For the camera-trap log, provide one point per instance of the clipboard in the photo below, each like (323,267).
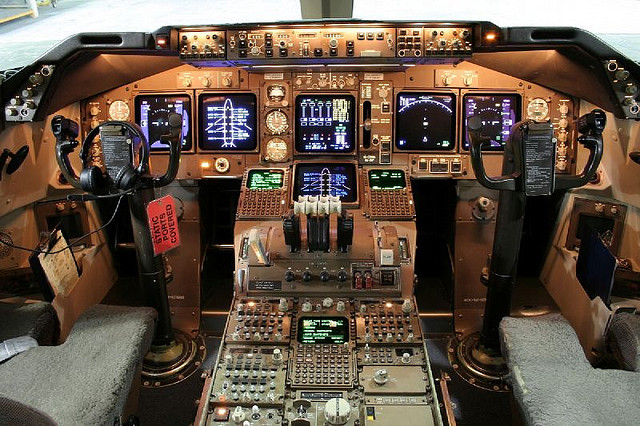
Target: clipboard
(57,273)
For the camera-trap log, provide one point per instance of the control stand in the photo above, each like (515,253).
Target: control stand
(528,170)
(115,161)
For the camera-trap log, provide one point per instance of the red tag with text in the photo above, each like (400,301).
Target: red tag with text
(163,224)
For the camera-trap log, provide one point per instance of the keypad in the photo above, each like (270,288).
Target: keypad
(390,203)
(322,365)
(260,202)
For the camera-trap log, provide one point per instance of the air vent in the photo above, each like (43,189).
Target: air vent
(553,34)
(101,39)
(5,250)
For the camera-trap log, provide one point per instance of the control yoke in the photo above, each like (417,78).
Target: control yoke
(533,150)
(124,151)
(119,166)
(528,169)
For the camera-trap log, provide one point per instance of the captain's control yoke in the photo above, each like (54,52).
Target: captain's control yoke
(115,166)
(528,170)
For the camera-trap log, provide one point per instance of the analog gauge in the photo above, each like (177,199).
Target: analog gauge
(537,109)
(276,150)
(277,122)
(275,93)
(119,110)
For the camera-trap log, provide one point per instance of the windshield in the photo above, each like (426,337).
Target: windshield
(23,38)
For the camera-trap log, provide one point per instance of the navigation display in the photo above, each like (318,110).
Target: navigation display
(386,179)
(265,179)
(338,179)
(425,121)
(152,115)
(325,123)
(323,330)
(228,122)
(498,113)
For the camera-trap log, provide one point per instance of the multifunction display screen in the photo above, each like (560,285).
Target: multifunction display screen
(325,180)
(265,179)
(323,330)
(386,179)
(425,121)
(325,123)
(152,115)
(228,122)
(498,113)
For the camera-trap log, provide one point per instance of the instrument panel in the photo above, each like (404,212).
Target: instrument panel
(413,118)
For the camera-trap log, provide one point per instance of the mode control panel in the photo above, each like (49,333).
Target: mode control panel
(323,42)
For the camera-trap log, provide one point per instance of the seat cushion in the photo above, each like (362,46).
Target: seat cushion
(38,320)
(87,379)
(15,413)
(624,340)
(553,381)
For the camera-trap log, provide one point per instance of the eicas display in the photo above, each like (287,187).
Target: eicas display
(325,123)
(152,115)
(498,113)
(425,122)
(228,122)
(326,180)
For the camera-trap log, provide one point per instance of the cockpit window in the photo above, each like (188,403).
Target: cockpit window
(26,38)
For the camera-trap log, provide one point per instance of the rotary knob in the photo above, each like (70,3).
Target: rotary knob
(238,415)
(289,276)
(276,356)
(283,306)
(407,306)
(327,302)
(340,306)
(306,276)
(337,411)
(324,276)
(342,276)
(307,307)
(381,377)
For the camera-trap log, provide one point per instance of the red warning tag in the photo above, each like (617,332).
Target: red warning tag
(163,224)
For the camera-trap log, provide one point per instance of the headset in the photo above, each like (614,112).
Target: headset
(125,150)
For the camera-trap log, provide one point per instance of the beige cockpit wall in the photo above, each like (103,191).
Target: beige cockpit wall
(619,187)
(37,181)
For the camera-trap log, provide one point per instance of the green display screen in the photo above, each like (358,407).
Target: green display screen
(386,179)
(265,179)
(323,330)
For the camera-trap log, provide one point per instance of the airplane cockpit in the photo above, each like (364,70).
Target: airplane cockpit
(321,222)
